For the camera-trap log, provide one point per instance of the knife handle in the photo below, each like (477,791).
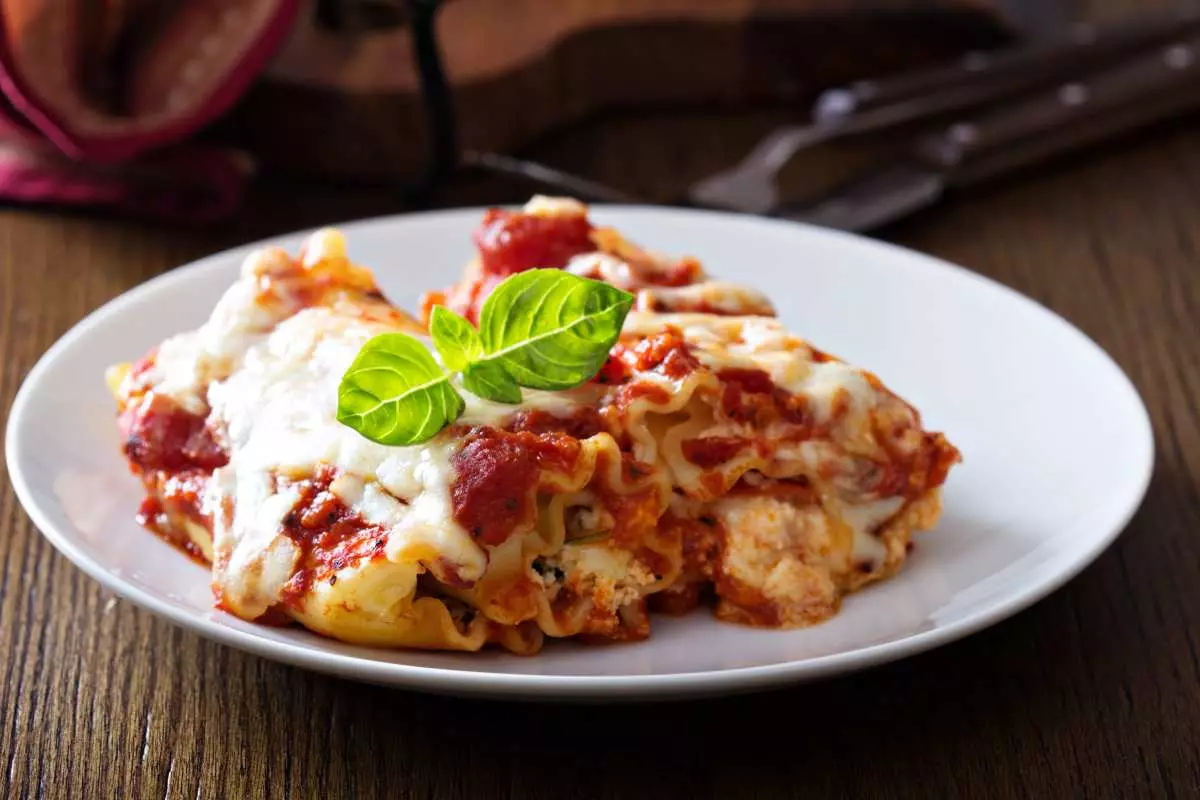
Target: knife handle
(1116,100)
(982,77)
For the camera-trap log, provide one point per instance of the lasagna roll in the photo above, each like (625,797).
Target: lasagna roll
(714,458)
(796,478)
(510,524)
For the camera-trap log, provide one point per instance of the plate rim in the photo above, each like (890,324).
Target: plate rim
(518,686)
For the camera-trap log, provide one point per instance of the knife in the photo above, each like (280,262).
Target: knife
(978,78)
(1023,132)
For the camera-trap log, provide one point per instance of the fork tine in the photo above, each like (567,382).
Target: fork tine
(749,186)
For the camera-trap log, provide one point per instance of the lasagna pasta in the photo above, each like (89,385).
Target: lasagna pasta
(714,458)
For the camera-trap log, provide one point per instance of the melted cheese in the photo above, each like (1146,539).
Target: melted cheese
(763,343)
(720,296)
(826,381)
(560,404)
(863,520)
(253,559)
(267,376)
(277,415)
(279,411)
(325,244)
(836,393)
(605,267)
(187,363)
(545,206)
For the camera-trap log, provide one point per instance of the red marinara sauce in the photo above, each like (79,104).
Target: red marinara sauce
(912,474)
(159,435)
(712,451)
(174,452)
(329,535)
(511,242)
(495,474)
(153,516)
(749,395)
(666,353)
(583,422)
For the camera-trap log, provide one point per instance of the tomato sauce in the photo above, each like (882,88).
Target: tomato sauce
(752,606)
(713,450)
(747,381)
(683,272)
(614,372)
(634,513)
(175,453)
(329,535)
(797,490)
(511,242)
(911,474)
(583,423)
(153,517)
(159,435)
(750,396)
(496,473)
(665,352)
(677,600)
(636,391)
(700,541)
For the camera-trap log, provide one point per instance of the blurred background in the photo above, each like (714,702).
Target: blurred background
(200,113)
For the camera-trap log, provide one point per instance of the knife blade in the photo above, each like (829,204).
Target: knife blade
(875,199)
(973,81)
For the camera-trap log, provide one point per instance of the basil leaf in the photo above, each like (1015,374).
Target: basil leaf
(544,329)
(456,340)
(395,393)
(489,381)
(550,329)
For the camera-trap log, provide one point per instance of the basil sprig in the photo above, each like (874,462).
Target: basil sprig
(539,329)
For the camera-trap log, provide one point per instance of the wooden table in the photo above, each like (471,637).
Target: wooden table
(1094,692)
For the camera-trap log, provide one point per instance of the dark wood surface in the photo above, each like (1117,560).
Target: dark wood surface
(1093,692)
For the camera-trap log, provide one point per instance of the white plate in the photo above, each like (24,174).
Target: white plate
(1057,444)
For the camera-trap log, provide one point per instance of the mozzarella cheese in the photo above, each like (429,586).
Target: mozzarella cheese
(545,206)
(720,296)
(279,416)
(763,343)
(185,364)
(271,378)
(479,411)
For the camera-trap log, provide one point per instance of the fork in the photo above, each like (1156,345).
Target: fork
(878,106)
(977,79)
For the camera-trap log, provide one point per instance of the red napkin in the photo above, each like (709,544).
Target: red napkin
(98,97)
